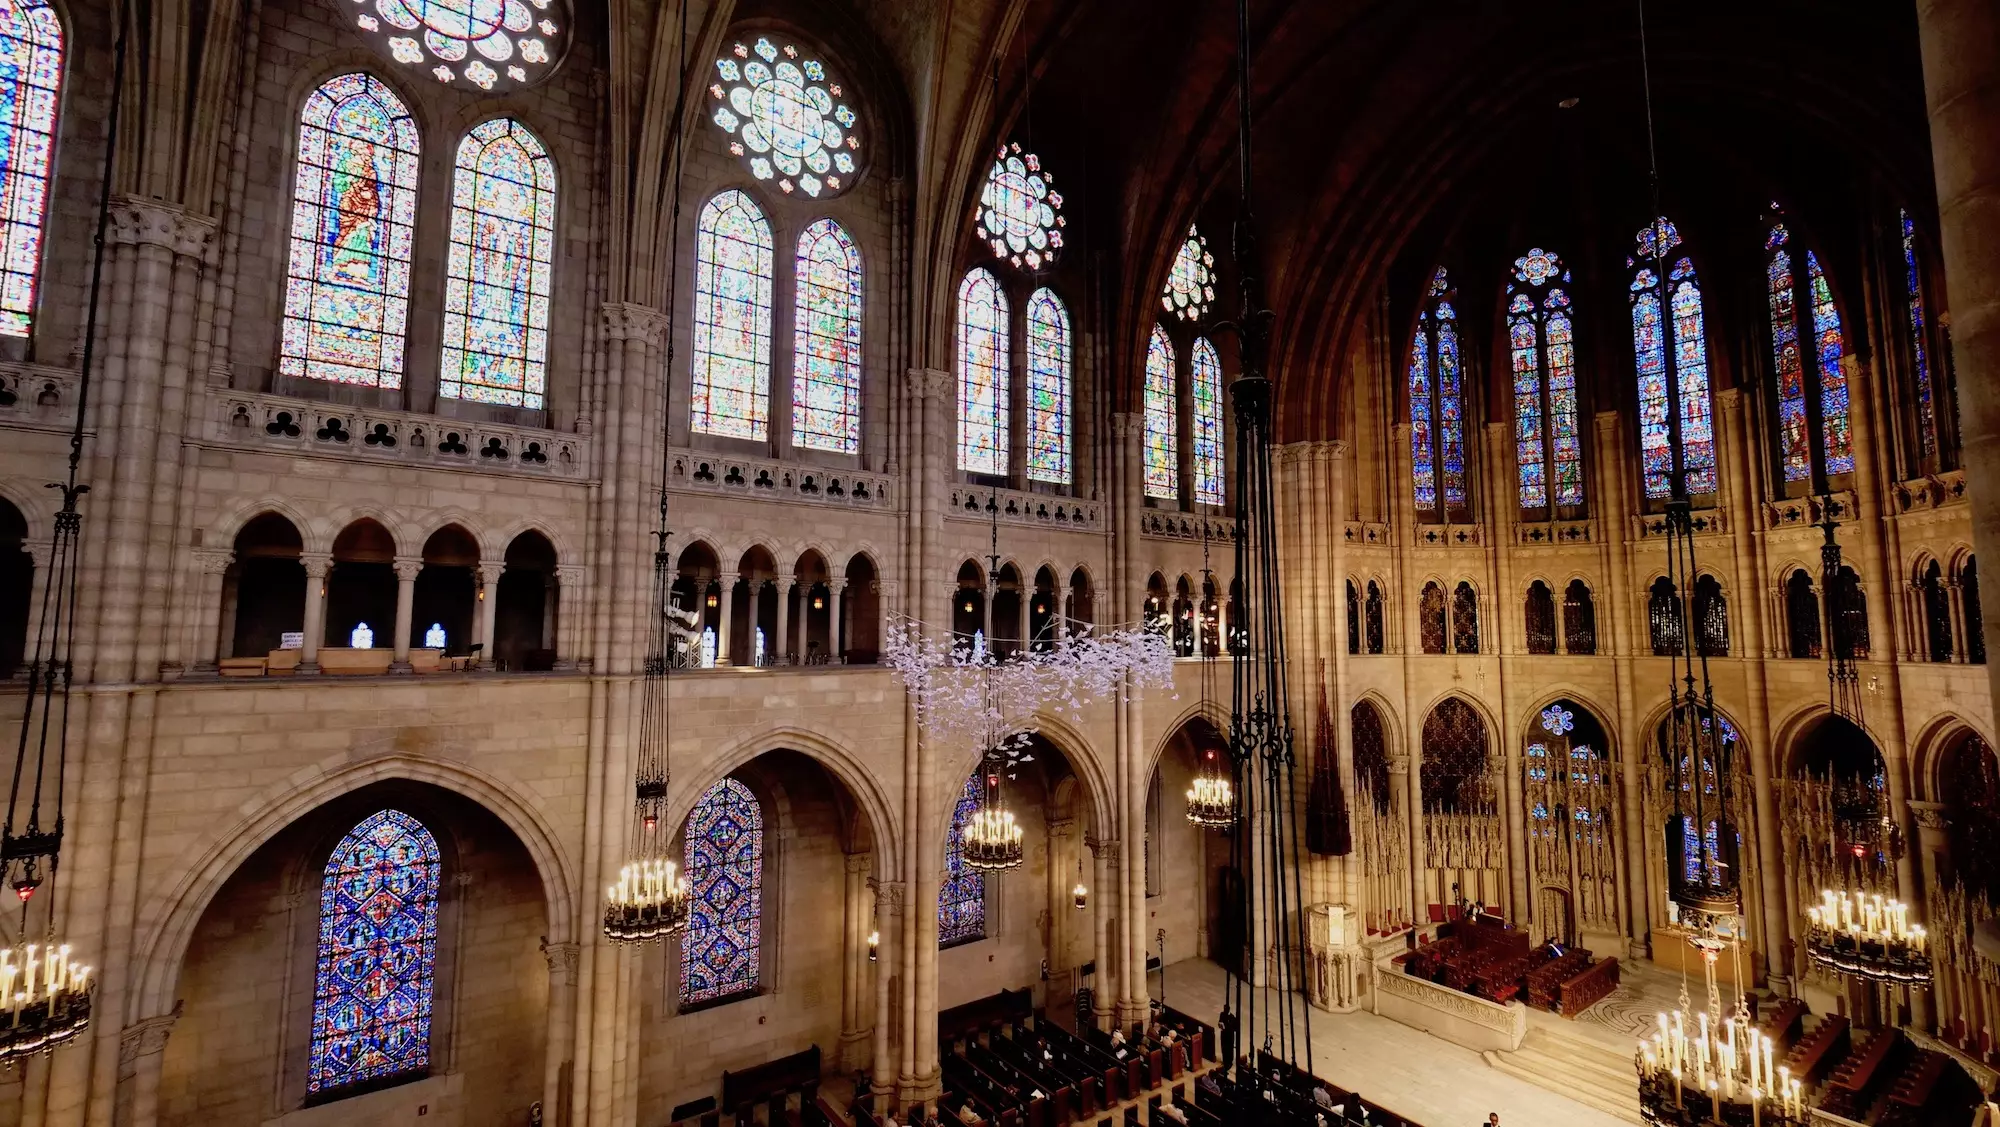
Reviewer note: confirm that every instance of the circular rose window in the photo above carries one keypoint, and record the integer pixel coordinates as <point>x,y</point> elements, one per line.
<point>1191,283</point>
<point>785,119</point>
<point>1020,215</point>
<point>488,44</point>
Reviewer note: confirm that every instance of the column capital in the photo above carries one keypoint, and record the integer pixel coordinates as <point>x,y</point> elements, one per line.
<point>563,960</point>
<point>836,586</point>
<point>570,574</point>
<point>143,222</point>
<point>889,896</point>
<point>1061,827</point>
<point>407,568</point>
<point>860,862</point>
<point>1928,815</point>
<point>727,578</point>
<point>931,383</point>
<point>1127,424</point>
<point>629,320</point>
<point>1104,849</point>
<point>147,1036</point>
<point>316,564</point>
<point>490,571</point>
<point>212,561</point>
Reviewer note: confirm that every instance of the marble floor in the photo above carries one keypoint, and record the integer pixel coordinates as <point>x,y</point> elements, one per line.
<point>1414,1074</point>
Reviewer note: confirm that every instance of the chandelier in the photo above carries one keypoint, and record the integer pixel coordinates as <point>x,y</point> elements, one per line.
<point>1211,799</point>
<point>1868,937</point>
<point>992,837</point>
<point>650,900</point>
<point>1701,1070</point>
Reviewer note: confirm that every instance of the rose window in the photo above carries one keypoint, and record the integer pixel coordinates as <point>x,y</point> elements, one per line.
<point>785,119</point>
<point>490,44</point>
<point>1191,282</point>
<point>1020,216</point>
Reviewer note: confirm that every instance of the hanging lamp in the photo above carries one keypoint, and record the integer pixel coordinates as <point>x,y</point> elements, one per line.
<point>991,838</point>
<point>1211,796</point>
<point>650,899</point>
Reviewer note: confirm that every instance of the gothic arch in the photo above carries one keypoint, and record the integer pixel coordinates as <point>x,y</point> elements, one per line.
<point>830,752</point>
<point>1928,746</point>
<point>167,923</point>
<point>1215,712</point>
<point>1565,692</point>
<point>225,528</point>
<point>512,531</point>
<point>1066,738</point>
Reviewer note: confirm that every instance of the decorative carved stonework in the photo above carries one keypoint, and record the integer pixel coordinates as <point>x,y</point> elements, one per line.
<point>1104,850</point>
<point>141,222</point>
<point>889,897</point>
<point>931,383</point>
<point>146,1037</point>
<point>1929,815</point>
<point>626,320</point>
<point>860,862</point>
<point>563,961</point>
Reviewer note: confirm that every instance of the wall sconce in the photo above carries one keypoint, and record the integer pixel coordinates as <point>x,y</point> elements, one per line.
<point>967,605</point>
<point>713,601</point>
<point>874,946</point>
<point>819,601</point>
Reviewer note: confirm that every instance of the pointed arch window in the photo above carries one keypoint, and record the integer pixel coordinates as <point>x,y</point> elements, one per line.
<point>1670,344</point>
<point>1048,389</point>
<point>826,381</point>
<point>1353,618</point>
<point>1937,613</point>
<point>354,198</point>
<point>1663,618</point>
<point>1541,616</point>
<point>1437,405</point>
<point>496,291</point>
<point>1934,401</point>
<point>722,946</point>
<point>1163,464</point>
<point>377,970</point>
<point>31,39</point>
<point>962,888</point>
<point>1206,370</point>
<point>1541,338</point>
<point>1579,619</point>
<point>1372,611</point>
<point>1975,621</point>
<point>1802,615</point>
<point>1711,617</point>
<point>732,318</point>
<point>985,380</point>
<point>1807,371</point>
<point>1431,618</point>
<point>1465,619</point>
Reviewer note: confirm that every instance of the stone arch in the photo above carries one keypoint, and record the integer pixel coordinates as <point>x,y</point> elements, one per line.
<point>1570,693</point>
<point>1215,712</point>
<point>1928,747</point>
<point>1067,739</point>
<point>437,520</point>
<point>506,534</point>
<point>227,525</point>
<point>829,752</point>
<point>401,533</point>
<point>168,926</point>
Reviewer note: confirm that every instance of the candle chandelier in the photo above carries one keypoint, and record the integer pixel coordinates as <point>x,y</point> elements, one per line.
<point>1262,757</point>
<point>1211,798</point>
<point>1868,937</point>
<point>1701,1067</point>
<point>991,838</point>
<point>650,899</point>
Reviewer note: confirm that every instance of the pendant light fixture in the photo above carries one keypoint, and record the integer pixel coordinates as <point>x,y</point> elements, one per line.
<point>1211,796</point>
<point>991,838</point>
<point>650,899</point>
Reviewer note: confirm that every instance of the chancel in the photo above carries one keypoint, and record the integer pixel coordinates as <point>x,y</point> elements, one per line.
<point>1292,563</point>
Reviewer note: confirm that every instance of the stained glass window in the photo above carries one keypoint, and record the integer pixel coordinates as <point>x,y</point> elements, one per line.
<point>1163,459</point>
<point>961,888</point>
<point>984,414</point>
<point>1437,404</point>
<point>1020,215</point>
<point>496,293</point>
<point>1920,358</point>
<point>1191,281</point>
<point>492,44</point>
<point>1539,329</point>
<point>1670,345</point>
<point>1048,388</point>
<point>347,287</point>
<point>378,934</point>
<point>31,43</point>
<point>732,318</point>
<point>1207,368</point>
<point>826,380</point>
<point>721,946</point>
<point>1829,347</point>
<point>784,118</point>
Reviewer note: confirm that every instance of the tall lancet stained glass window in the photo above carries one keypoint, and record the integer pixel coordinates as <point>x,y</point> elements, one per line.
<point>496,290</point>
<point>1917,322</point>
<point>826,381</point>
<point>31,70</point>
<point>961,888</point>
<point>1163,457</point>
<point>1207,372</point>
<point>1670,346</point>
<point>354,198</point>
<point>1542,341</point>
<point>725,873</point>
<point>1437,404</point>
<point>1048,389</point>
<point>984,375</point>
<point>732,318</point>
<point>378,935</point>
<point>1800,375</point>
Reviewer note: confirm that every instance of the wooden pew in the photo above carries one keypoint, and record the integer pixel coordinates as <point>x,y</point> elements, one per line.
<point>751,1086</point>
<point>1587,988</point>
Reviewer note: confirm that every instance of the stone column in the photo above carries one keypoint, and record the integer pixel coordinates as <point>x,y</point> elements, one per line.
<point>855,1005</point>
<point>559,1058</point>
<point>488,605</point>
<point>782,644</point>
<point>836,590</point>
<point>888,923</point>
<point>723,656</point>
<point>317,565</point>
<point>42,552</point>
<point>1960,40</point>
<point>1062,831</point>
<point>208,608</point>
<point>569,617</point>
<point>1104,858</point>
<point>140,1048</point>
<point>407,568</point>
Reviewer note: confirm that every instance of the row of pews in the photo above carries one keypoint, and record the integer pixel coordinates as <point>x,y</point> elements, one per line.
<point>1883,1079</point>
<point>1494,961</point>
<point>1277,1095</point>
<point>779,1093</point>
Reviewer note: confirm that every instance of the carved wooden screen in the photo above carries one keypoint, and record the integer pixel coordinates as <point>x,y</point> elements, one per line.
<point>1463,850</point>
<point>1572,827</point>
<point>1801,615</point>
<point>1711,618</point>
<point>1381,825</point>
<point>1663,618</point>
<point>1465,619</point>
<point>1579,619</point>
<point>1541,616</point>
<point>1430,612</point>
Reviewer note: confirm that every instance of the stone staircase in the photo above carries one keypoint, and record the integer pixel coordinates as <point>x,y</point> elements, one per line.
<point>1573,1063</point>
